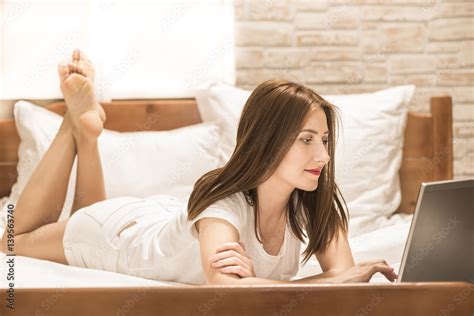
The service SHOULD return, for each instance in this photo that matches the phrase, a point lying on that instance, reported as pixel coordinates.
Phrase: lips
(314, 171)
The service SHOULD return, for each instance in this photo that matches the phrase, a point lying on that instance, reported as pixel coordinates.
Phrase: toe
(76, 55)
(80, 69)
(86, 66)
(72, 68)
(63, 72)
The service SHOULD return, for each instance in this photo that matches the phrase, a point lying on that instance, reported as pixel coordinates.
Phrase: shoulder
(235, 202)
(235, 205)
(232, 209)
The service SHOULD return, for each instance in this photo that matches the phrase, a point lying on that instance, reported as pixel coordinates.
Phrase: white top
(170, 250)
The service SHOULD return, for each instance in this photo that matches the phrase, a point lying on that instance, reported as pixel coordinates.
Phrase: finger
(380, 267)
(234, 261)
(391, 275)
(384, 265)
(223, 255)
(236, 270)
(371, 262)
(385, 270)
(242, 245)
(227, 254)
(231, 245)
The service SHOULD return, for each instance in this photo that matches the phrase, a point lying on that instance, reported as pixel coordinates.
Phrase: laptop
(440, 244)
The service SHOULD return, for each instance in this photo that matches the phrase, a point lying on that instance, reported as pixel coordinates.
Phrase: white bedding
(371, 234)
(384, 238)
(387, 241)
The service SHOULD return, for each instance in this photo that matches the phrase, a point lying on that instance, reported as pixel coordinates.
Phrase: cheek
(293, 162)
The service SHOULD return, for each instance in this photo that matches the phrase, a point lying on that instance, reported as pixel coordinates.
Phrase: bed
(53, 289)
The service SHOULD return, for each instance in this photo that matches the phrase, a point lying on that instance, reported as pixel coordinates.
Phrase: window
(140, 48)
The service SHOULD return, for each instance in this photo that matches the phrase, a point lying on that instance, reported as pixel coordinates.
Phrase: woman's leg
(42, 200)
(38, 235)
(90, 186)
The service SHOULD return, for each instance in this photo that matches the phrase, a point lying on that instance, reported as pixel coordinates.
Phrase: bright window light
(141, 49)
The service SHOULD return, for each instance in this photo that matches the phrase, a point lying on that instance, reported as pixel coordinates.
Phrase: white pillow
(223, 104)
(369, 147)
(138, 164)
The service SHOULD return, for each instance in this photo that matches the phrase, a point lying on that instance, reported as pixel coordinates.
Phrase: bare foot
(82, 65)
(82, 107)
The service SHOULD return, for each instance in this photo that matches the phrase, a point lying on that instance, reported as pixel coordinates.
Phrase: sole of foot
(86, 114)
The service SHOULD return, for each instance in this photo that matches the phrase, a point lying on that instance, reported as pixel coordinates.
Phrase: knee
(4, 243)
(13, 243)
(2, 246)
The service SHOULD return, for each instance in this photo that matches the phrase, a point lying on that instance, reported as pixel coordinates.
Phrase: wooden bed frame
(427, 156)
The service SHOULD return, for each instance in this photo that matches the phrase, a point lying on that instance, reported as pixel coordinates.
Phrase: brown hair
(271, 119)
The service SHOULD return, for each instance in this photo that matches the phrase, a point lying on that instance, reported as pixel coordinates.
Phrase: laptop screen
(440, 245)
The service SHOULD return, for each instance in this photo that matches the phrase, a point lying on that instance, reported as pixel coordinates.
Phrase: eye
(308, 140)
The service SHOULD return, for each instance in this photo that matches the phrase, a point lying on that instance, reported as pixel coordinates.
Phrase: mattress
(369, 238)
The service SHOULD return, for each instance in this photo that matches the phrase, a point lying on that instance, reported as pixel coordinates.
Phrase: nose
(321, 154)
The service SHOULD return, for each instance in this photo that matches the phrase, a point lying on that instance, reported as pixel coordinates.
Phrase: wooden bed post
(442, 126)
(427, 150)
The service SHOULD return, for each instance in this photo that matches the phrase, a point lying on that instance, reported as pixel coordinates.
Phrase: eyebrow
(313, 131)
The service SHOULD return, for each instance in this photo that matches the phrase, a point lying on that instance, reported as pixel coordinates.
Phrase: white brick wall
(344, 46)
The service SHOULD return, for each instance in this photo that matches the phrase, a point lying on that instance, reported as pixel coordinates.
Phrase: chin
(309, 188)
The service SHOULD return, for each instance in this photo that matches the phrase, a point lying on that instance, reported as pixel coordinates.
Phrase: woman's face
(309, 151)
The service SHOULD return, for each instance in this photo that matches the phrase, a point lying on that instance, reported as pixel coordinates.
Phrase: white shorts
(92, 234)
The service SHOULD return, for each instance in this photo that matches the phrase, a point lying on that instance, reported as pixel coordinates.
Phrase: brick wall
(342, 46)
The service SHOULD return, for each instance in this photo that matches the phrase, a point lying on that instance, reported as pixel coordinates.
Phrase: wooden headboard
(427, 149)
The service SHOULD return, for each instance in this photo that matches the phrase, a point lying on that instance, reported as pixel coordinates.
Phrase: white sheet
(386, 241)
(365, 224)
(34, 273)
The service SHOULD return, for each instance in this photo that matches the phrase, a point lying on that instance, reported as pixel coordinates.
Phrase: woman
(245, 221)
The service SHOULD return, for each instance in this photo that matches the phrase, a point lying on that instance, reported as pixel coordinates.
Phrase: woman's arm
(336, 259)
(213, 232)
(325, 277)
(338, 255)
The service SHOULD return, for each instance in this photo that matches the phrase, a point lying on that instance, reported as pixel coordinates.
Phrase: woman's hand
(231, 258)
(363, 272)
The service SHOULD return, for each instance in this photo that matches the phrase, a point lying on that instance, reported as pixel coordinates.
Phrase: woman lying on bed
(244, 223)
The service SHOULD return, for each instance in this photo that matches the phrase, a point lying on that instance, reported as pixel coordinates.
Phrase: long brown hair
(271, 119)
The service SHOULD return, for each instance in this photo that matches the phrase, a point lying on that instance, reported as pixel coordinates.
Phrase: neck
(273, 201)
